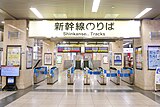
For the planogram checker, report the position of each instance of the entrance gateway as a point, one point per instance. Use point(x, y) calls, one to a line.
point(85, 44)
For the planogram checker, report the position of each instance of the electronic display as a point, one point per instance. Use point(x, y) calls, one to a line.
point(69, 49)
point(10, 71)
point(96, 49)
point(10, 80)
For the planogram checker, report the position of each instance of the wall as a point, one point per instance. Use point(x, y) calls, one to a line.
point(65, 56)
point(147, 27)
point(139, 79)
point(26, 75)
point(145, 78)
point(117, 47)
point(99, 56)
point(48, 47)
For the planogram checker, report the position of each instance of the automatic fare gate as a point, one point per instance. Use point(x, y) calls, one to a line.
point(70, 76)
point(87, 72)
point(127, 75)
point(115, 75)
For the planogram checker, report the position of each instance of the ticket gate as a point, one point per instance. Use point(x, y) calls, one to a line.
point(115, 75)
point(40, 74)
point(127, 75)
point(70, 76)
point(101, 77)
point(52, 76)
point(86, 76)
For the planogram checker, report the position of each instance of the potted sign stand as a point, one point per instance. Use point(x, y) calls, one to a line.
point(10, 72)
point(157, 79)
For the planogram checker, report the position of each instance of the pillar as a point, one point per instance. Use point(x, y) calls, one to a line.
point(26, 75)
point(145, 78)
point(117, 47)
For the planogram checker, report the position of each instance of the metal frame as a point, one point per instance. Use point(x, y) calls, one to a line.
point(27, 58)
point(45, 58)
point(20, 54)
point(121, 59)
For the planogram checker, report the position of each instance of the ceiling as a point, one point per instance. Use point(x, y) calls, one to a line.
point(126, 9)
point(77, 9)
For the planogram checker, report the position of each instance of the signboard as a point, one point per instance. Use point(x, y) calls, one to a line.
point(81, 28)
point(14, 55)
point(9, 71)
point(69, 49)
point(117, 59)
point(29, 57)
point(157, 76)
point(105, 59)
point(139, 60)
point(59, 59)
point(96, 49)
point(48, 58)
point(127, 50)
point(153, 57)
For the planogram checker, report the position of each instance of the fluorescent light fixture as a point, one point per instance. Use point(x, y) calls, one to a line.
point(60, 15)
point(2, 22)
point(36, 12)
point(143, 12)
point(111, 15)
point(126, 44)
point(95, 5)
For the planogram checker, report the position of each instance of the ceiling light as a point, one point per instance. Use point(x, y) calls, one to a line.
point(111, 15)
point(60, 15)
point(95, 5)
point(36, 12)
point(2, 22)
point(143, 12)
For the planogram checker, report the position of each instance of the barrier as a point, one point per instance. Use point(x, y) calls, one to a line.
point(101, 78)
point(52, 75)
point(39, 74)
point(70, 76)
point(127, 75)
point(87, 73)
point(115, 75)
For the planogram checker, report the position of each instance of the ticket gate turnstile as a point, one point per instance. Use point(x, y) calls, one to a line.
point(70, 76)
point(101, 78)
point(52, 76)
point(127, 75)
point(115, 75)
point(86, 76)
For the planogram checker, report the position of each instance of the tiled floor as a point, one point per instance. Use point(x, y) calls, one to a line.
point(4, 94)
point(83, 99)
point(79, 95)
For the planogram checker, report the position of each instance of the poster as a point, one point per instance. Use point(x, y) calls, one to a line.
point(139, 60)
point(14, 55)
point(153, 57)
point(48, 58)
point(117, 59)
point(59, 59)
point(157, 75)
point(105, 59)
point(29, 57)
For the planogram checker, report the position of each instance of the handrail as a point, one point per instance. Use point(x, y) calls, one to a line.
point(37, 63)
point(113, 68)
